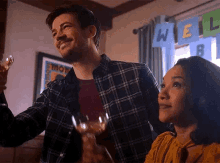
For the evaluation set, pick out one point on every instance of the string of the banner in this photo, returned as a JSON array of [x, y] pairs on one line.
[[202, 4], [135, 31]]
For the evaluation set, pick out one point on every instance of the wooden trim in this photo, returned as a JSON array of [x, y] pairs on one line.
[[29, 152], [103, 13], [47, 5], [128, 6]]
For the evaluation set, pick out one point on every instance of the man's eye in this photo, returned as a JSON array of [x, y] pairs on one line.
[[65, 26], [176, 84]]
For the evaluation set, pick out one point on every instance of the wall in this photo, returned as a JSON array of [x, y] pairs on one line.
[[26, 33], [122, 44]]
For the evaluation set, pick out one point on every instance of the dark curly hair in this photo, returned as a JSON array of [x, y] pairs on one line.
[[85, 18], [203, 79]]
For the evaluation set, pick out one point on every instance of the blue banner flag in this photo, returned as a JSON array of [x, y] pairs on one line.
[[201, 48], [188, 31], [169, 56], [218, 45], [163, 36]]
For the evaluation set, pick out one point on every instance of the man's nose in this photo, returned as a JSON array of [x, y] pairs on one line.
[[60, 35]]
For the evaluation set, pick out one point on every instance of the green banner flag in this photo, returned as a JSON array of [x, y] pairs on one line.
[[211, 23]]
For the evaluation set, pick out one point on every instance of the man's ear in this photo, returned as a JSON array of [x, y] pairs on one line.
[[91, 31]]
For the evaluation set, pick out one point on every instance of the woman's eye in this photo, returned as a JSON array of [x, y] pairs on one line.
[[162, 85], [54, 34], [176, 84]]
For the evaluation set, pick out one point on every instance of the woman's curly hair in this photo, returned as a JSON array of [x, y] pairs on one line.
[[203, 80]]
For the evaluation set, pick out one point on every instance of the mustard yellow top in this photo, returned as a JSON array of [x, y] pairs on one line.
[[167, 149]]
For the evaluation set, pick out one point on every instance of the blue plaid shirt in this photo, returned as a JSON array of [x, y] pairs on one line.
[[128, 92]]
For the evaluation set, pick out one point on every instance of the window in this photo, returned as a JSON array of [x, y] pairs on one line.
[[184, 52]]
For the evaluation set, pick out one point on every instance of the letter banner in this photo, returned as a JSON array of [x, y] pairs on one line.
[[188, 31], [218, 45], [169, 57], [202, 48], [163, 35], [211, 23]]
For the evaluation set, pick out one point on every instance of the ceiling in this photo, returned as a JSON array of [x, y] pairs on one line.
[[105, 10], [111, 3]]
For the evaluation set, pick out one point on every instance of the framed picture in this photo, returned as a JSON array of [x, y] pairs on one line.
[[48, 68]]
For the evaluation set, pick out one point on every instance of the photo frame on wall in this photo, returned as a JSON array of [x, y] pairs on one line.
[[48, 68]]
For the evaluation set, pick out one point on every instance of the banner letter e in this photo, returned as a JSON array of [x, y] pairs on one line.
[[186, 33]]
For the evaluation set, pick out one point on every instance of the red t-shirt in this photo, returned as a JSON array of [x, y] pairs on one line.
[[90, 104], [89, 100]]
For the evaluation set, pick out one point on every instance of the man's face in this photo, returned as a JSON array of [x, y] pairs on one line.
[[69, 39], [172, 97]]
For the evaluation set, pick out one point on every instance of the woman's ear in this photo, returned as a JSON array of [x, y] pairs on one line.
[[91, 31]]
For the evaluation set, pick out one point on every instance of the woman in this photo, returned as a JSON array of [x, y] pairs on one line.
[[190, 100]]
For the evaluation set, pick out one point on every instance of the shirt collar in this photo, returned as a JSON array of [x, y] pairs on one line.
[[101, 70]]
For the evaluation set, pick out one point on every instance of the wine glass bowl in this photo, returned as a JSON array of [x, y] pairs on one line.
[[6, 64], [89, 126], [86, 125]]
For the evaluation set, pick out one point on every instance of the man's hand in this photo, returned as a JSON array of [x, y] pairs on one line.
[[93, 153]]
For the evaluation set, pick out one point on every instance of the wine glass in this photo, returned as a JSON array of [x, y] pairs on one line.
[[6, 64], [86, 125], [89, 126]]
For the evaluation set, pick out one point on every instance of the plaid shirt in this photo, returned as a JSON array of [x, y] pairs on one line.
[[128, 92]]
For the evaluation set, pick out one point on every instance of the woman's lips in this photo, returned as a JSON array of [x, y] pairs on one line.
[[164, 106]]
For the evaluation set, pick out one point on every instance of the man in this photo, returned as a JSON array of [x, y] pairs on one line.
[[126, 91]]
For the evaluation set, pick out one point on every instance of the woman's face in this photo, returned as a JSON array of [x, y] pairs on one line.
[[172, 97]]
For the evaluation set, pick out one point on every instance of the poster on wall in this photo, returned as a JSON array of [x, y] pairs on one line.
[[48, 68]]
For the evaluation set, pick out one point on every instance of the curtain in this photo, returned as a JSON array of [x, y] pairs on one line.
[[147, 54]]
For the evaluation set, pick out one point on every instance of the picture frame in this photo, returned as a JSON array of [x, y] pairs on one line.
[[48, 68]]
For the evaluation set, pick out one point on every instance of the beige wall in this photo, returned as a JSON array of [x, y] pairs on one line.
[[26, 33], [122, 44]]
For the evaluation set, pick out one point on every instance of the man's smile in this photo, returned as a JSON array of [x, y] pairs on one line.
[[63, 44]]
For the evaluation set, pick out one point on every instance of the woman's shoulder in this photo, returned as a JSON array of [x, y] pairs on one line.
[[212, 153], [163, 138], [165, 135], [161, 143]]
